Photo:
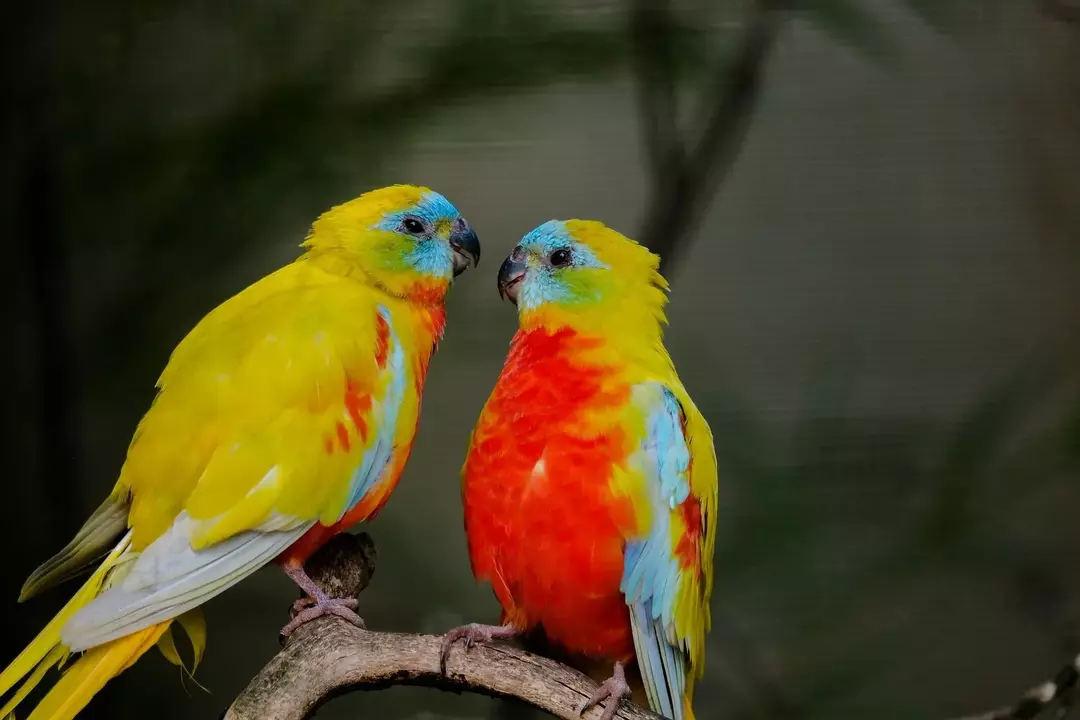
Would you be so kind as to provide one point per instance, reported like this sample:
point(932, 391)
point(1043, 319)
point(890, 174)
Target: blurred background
point(869, 211)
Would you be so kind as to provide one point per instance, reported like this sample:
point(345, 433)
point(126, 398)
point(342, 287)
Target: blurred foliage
point(856, 513)
point(853, 23)
point(849, 22)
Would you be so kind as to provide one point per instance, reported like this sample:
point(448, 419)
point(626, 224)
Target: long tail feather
point(55, 657)
point(46, 650)
point(688, 709)
point(95, 668)
point(49, 638)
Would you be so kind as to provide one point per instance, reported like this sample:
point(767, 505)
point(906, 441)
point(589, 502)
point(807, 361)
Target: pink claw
point(613, 689)
point(317, 604)
point(342, 607)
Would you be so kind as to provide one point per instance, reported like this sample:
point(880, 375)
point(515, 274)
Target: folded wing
point(667, 573)
point(276, 418)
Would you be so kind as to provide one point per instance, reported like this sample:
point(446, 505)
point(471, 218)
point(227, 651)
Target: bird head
point(409, 241)
point(582, 268)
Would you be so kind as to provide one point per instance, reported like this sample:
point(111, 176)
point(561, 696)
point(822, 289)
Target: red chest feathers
point(543, 525)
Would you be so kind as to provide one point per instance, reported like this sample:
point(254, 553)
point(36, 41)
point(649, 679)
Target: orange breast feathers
point(542, 523)
point(350, 436)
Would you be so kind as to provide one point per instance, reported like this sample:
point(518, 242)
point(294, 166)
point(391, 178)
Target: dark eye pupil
point(413, 225)
point(560, 257)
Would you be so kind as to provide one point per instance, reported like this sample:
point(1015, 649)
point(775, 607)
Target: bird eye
point(560, 257)
point(413, 226)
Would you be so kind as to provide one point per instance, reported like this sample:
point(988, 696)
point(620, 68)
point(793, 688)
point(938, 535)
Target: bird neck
point(419, 311)
point(405, 284)
point(633, 330)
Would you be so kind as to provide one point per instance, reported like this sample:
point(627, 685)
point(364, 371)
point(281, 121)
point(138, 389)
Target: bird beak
point(466, 247)
point(511, 274)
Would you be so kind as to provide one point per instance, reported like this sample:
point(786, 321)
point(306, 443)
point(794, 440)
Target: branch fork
point(328, 657)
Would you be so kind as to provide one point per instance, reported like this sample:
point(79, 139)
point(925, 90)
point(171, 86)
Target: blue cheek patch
point(432, 257)
point(428, 256)
point(540, 287)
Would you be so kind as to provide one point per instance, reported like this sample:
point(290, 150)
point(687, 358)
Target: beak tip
point(511, 274)
point(466, 247)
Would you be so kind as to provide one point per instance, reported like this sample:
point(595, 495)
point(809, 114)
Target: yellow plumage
point(284, 416)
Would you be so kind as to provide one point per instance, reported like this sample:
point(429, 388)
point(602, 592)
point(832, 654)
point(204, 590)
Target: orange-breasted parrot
point(590, 485)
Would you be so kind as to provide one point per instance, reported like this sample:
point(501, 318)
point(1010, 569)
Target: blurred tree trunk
point(1049, 107)
point(686, 169)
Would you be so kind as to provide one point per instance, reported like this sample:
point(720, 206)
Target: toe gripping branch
point(341, 570)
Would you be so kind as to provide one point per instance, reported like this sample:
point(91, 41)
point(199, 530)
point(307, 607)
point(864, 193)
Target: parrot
point(284, 417)
point(590, 481)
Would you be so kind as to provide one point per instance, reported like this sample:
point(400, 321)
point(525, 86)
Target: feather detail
point(89, 674)
point(91, 543)
point(169, 578)
point(194, 626)
point(652, 580)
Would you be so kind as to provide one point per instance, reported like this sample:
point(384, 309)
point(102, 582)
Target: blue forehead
point(553, 235)
point(547, 237)
point(431, 207)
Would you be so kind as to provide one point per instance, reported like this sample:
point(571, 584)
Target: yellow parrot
point(284, 417)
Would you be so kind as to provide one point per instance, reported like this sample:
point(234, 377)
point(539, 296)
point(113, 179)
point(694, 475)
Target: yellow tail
point(90, 673)
point(96, 667)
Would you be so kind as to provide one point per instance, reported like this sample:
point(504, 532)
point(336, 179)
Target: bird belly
point(564, 570)
point(543, 524)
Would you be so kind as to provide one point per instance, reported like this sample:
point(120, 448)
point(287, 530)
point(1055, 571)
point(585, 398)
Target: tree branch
point(681, 195)
point(653, 62)
point(329, 657)
point(1040, 698)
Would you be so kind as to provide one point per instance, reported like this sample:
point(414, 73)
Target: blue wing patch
point(650, 569)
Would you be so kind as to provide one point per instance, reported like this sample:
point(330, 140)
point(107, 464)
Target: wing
point(667, 574)
point(276, 417)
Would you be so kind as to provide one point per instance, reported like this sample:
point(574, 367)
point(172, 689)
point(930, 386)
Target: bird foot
point(472, 634)
point(613, 689)
point(307, 609)
point(317, 604)
point(304, 603)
